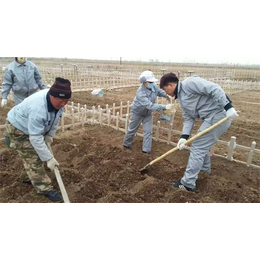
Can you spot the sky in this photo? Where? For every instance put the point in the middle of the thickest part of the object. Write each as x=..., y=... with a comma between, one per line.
x=178, y=31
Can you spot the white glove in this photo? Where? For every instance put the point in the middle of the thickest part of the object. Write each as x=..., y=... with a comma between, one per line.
x=180, y=144
x=48, y=139
x=232, y=113
x=4, y=102
x=169, y=106
x=52, y=163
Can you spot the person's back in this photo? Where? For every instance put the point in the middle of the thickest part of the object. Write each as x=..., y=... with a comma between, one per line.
x=33, y=111
x=201, y=98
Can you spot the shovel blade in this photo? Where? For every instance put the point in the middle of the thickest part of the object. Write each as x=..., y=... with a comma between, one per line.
x=145, y=169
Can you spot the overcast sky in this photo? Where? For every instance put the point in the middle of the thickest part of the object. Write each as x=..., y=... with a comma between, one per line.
x=178, y=31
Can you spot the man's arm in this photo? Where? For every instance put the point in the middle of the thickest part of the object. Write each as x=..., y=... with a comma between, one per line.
x=187, y=125
x=145, y=102
x=36, y=132
x=38, y=78
x=7, y=83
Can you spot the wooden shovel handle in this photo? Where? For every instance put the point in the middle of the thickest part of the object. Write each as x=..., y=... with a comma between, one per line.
x=190, y=140
x=61, y=185
x=59, y=180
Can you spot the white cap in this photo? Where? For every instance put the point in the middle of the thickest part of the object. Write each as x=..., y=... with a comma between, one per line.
x=147, y=75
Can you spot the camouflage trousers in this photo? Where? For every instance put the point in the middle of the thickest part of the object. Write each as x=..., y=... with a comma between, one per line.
x=34, y=167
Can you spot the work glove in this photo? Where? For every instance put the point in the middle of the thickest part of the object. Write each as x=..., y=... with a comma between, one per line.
x=180, y=144
x=4, y=102
x=48, y=139
x=232, y=113
x=52, y=163
x=169, y=109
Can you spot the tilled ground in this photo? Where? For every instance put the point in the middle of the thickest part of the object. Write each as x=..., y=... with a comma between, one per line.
x=95, y=168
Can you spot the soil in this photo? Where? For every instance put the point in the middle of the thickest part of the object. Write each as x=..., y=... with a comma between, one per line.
x=96, y=168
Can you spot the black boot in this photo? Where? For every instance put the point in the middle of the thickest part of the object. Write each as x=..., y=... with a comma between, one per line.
x=25, y=178
x=53, y=195
x=179, y=185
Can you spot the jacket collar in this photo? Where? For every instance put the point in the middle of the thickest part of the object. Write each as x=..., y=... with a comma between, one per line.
x=19, y=65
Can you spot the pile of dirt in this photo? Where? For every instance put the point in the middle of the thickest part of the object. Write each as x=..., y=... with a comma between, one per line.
x=96, y=168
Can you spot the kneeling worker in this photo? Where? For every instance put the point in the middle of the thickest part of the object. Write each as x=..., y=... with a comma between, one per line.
x=32, y=124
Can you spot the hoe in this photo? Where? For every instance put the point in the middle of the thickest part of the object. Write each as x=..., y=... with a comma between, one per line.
x=147, y=167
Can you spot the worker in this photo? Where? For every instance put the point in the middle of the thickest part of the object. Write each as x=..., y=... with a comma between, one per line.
x=30, y=126
x=23, y=77
x=202, y=99
x=141, y=110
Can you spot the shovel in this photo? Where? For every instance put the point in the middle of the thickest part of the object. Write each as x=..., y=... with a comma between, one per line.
x=59, y=180
x=146, y=167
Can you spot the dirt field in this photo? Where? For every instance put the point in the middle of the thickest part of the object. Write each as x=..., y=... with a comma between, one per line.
x=95, y=167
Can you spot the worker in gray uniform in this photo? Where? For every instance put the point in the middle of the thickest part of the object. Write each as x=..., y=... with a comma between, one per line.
x=202, y=99
x=141, y=110
x=23, y=77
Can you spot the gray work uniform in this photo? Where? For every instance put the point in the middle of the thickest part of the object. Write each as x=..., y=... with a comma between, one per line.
x=23, y=79
x=203, y=99
x=141, y=112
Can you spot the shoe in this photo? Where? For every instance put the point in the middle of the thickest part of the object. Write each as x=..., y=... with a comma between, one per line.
x=27, y=182
x=127, y=147
x=25, y=179
x=179, y=185
x=53, y=195
x=146, y=152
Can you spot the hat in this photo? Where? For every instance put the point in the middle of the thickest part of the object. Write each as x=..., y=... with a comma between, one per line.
x=147, y=75
x=61, y=88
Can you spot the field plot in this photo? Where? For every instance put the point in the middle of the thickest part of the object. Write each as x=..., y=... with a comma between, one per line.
x=95, y=167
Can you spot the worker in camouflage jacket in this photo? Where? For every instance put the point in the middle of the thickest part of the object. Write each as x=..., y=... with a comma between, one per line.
x=30, y=129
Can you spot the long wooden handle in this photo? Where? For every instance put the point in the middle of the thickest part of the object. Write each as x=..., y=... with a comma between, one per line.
x=190, y=140
x=61, y=185
x=59, y=180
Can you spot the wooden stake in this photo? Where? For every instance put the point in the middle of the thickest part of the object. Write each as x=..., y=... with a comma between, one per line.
x=231, y=147
x=85, y=111
x=169, y=134
x=117, y=120
x=126, y=122
x=251, y=153
x=82, y=117
x=109, y=117
x=211, y=151
x=73, y=118
x=114, y=110
x=121, y=108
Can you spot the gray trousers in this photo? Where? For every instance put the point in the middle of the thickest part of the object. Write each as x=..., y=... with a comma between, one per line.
x=134, y=124
x=199, y=159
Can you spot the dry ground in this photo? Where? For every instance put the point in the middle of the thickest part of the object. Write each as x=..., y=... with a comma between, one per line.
x=95, y=167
